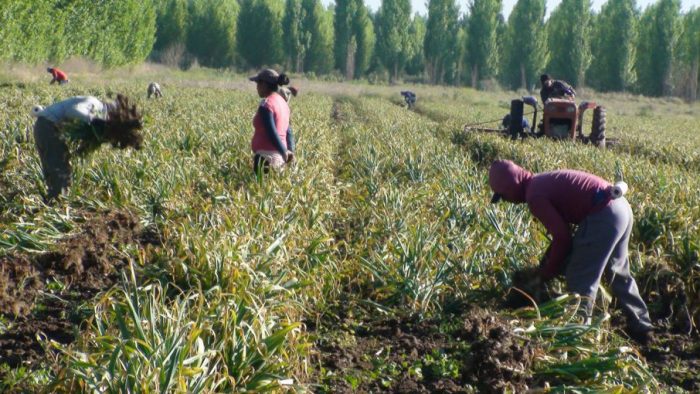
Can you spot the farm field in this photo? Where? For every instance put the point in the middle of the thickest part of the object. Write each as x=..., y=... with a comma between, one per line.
x=374, y=264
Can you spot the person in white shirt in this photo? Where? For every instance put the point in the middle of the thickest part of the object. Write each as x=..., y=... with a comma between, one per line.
x=87, y=121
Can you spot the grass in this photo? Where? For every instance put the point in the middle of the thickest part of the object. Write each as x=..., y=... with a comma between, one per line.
x=384, y=206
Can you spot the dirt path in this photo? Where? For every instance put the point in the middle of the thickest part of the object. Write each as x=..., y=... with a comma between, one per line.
x=41, y=295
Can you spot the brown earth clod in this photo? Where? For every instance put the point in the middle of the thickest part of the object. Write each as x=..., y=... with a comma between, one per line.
x=80, y=266
x=485, y=353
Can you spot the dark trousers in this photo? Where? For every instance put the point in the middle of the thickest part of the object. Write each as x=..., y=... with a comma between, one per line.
x=55, y=157
x=260, y=164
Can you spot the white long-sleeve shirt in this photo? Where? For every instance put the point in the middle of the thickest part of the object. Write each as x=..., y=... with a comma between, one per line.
x=84, y=108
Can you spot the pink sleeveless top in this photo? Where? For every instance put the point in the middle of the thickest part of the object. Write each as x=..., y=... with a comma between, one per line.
x=280, y=113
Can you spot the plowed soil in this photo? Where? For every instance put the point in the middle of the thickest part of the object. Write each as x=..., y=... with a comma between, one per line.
x=472, y=352
x=39, y=295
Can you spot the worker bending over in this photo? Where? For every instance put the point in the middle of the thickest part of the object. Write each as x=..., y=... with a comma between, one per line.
x=598, y=246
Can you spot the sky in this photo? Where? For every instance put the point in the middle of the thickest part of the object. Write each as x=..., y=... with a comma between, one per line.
x=420, y=5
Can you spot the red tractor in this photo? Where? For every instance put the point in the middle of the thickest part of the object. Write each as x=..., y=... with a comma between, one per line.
x=562, y=119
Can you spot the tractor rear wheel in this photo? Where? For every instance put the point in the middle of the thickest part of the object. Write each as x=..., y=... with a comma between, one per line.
x=597, y=136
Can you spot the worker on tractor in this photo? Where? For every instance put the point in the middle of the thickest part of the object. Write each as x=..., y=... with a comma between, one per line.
x=554, y=88
x=87, y=122
x=505, y=123
x=603, y=220
x=271, y=123
x=58, y=76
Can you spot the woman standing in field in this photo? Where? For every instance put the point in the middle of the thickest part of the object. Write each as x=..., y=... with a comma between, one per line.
x=271, y=123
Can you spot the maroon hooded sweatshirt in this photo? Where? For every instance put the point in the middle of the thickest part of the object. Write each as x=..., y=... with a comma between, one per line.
x=556, y=198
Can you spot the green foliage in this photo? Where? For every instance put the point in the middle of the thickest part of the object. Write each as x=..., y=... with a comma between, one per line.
x=526, y=45
x=482, y=39
x=392, y=21
x=658, y=36
x=440, y=38
x=613, y=46
x=354, y=38
x=27, y=33
x=212, y=32
x=296, y=40
x=415, y=58
x=568, y=30
x=318, y=24
x=172, y=22
x=112, y=33
x=259, y=33
x=689, y=49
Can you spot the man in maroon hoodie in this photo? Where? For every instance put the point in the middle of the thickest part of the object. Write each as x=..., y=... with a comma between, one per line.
x=599, y=244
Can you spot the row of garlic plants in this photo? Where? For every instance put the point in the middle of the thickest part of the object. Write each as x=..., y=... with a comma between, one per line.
x=218, y=307
x=424, y=236
x=382, y=203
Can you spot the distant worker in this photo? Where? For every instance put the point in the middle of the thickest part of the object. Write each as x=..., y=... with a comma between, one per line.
x=287, y=93
x=271, y=123
x=410, y=98
x=58, y=76
x=84, y=120
x=599, y=244
x=554, y=88
x=154, y=90
x=506, y=123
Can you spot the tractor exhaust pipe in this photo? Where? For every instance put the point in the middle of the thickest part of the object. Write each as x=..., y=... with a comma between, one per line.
x=515, y=128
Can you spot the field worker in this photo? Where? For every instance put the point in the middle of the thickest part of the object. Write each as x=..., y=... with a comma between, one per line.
x=271, y=122
x=154, y=90
x=58, y=76
x=554, y=88
x=87, y=121
x=599, y=243
x=410, y=98
x=287, y=94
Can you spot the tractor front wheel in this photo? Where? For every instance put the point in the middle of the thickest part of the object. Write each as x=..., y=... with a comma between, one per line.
x=597, y=136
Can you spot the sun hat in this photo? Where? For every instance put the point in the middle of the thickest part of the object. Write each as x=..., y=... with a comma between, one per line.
x=268, y=75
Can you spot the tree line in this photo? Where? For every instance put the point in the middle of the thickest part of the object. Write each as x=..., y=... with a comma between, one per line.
x=655, y=51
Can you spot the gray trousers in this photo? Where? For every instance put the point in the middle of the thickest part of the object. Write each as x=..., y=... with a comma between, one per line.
x=600, y=246
x=55, y=157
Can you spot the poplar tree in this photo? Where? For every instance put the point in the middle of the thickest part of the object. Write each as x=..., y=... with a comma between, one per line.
x=440, y=39
x=526, y=44
x=393, y=21
x=212, y=33
x=482, y=39
x=354, y=37
x=614, y=46
x=568, y=30
x=259, y=33
x=659, y=32
x=415, y=63
x=690, y=48
x=318, y=24
x=172, y=20
x=296, y=40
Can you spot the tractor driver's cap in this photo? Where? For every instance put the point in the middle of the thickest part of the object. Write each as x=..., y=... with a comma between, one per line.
x=268, y=75
x=544, y=78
